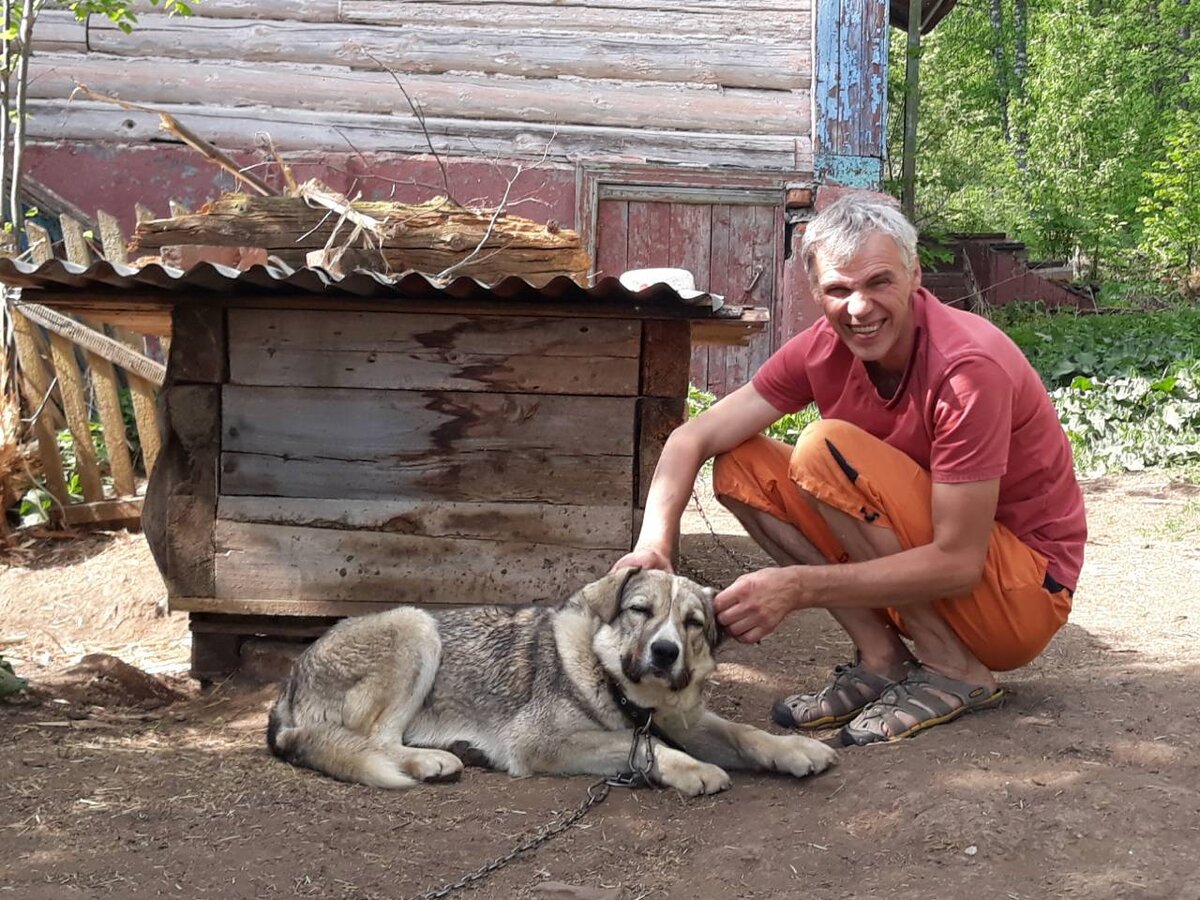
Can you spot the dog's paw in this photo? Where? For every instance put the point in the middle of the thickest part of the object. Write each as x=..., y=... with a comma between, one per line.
x=432, y=765
x=800, y=756
x=690, y=776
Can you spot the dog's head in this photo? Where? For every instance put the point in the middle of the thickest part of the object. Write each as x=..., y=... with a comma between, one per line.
x=656, y=636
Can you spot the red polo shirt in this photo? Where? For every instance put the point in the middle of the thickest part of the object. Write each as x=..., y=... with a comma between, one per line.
x=970, y=407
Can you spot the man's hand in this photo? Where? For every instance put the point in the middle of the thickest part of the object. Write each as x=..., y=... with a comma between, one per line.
x=754, y=605
x=647, y=558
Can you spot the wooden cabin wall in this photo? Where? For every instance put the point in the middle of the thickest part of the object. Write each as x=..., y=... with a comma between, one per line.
x=660, y=81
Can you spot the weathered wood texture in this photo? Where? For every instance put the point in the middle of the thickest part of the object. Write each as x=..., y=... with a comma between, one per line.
x=732, y=250
x=850, y=91
x=434, y=352
x=361, y=444
x=707, y=84
x=431, y=237
x=322, y=564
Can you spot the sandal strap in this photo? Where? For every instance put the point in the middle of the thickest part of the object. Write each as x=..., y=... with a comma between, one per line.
x=919, y=698
x=851, y=688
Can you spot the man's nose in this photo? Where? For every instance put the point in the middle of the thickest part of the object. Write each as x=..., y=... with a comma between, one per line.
x=858, y=304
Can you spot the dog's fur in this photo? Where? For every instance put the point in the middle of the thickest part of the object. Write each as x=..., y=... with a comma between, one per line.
x=379, y=699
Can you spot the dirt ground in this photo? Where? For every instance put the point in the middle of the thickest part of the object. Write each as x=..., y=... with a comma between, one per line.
x=1086, y=785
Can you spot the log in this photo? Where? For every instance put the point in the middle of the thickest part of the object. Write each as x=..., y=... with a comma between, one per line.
x=299, y=130
x=429, y=237
x=615, y=103
x=636, y=55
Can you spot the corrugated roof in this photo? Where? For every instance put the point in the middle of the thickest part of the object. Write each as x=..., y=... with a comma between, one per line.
x=278, y=278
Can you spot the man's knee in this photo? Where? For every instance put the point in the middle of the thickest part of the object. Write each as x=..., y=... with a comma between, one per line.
x=820, y=437
x=734, y=466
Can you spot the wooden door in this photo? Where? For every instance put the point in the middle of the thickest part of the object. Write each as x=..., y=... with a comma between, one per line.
x=733, y=249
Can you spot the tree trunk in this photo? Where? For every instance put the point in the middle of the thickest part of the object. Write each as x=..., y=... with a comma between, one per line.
x=5, y=107
x=24, y=48
x=912, y=97
x=1020, y=67
x=999, y=65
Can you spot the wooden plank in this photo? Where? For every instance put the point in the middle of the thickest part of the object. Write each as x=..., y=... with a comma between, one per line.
x=401, y=134
x=36, y=373
x=732, y=62
x=203, y=355
x=146, y=416
x=112, y=241
x=432, y=352
x=666, y=352
x=389, y=11
x=649, y=234
x=582, y=527
x=690, y=239
x=657, y=418
x=768, y=232
x=108, y=403
x=309, y=442
x=96, y=342
x=75, y=244
x=70, y=386
x=612, y=238
x=257, y=560
x=35, y=389
x=273, y=607
x=503, y=476
x=41, y=247
x=105, y=512
x=213, y=623
x=579, y=101
x=181, y=499
x=720, y=282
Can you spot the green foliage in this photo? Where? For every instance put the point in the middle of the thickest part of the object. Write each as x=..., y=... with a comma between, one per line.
x=1095, y=131
x=1126, y=387
x=120, y=12
x=786, y=428
x=9, y=682
x=1171, y=229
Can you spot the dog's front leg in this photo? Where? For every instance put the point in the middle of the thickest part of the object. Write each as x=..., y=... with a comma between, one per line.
x=607, y=753
x=735, y=746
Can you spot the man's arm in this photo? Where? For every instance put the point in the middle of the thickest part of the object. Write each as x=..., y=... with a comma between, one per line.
x=949, y=566
x=736, y=418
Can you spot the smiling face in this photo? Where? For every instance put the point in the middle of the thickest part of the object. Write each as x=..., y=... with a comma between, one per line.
x=867, y=298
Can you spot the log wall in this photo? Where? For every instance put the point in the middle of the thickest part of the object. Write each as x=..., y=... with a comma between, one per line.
x=670, y=81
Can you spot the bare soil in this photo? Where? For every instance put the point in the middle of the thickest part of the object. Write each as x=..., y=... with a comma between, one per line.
x=1086, y=785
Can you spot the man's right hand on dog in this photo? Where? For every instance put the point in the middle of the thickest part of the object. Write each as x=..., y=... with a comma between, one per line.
x=646, y=558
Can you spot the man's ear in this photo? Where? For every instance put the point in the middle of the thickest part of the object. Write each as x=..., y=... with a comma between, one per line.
x=602, y=598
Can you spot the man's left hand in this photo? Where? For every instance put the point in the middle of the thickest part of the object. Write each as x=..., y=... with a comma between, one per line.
x=754, y=605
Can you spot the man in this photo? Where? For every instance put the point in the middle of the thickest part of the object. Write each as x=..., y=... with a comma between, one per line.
x=936, y=499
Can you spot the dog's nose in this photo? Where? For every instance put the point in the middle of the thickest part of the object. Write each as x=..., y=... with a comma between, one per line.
x=664, y=653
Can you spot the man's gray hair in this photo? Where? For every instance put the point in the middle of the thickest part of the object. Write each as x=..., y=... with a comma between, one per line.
x=840, y=230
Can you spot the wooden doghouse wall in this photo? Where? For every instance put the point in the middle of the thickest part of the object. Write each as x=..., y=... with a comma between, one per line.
x=363, y=459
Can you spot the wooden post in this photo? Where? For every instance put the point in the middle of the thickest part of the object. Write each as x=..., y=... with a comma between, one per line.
x=74, y=241
x=41, y=248
x=912, y=97
x=112, y=241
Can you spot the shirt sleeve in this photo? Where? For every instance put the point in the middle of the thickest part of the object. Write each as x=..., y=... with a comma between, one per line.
x=783, y=379
x=972, y=423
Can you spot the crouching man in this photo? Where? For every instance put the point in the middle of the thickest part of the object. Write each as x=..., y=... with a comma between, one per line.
x=935, y=500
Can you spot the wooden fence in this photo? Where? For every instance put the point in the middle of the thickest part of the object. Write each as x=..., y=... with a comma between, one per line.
x=71, y=375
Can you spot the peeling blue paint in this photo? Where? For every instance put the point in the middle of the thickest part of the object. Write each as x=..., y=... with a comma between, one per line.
x=850, y=91
x=849, y=171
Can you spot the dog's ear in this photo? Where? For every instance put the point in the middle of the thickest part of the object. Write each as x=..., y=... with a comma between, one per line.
x=714, y=631
x=602, y=598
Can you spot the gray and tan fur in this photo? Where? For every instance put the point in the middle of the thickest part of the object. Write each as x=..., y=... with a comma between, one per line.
x=380, y=699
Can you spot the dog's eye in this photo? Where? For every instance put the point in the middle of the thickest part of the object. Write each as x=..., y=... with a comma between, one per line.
x=638, y=611
x=693, y=623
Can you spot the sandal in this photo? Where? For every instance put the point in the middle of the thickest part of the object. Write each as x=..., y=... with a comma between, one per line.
x=917, y=703
x=851, y=689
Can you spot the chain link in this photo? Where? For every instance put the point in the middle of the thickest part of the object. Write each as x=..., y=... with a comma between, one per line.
x=739, y=562
x=597, y=793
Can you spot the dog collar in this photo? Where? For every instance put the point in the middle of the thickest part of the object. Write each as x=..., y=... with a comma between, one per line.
x=641, y=717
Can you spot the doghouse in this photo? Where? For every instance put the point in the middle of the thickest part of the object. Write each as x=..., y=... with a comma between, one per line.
x=334, y=449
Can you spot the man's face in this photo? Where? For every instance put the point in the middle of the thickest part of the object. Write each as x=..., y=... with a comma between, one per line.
x=868, y=301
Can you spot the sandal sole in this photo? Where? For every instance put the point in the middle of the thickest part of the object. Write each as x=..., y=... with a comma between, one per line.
x=782, y=716
x=868, y=738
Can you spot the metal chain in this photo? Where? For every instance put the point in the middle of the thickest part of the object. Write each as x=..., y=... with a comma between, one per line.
x=739, y=562
x=597, y=793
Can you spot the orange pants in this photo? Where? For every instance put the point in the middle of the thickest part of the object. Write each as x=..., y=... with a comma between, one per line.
x=1006, y=621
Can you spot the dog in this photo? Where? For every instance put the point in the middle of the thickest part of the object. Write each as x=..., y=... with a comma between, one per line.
x=382, y=699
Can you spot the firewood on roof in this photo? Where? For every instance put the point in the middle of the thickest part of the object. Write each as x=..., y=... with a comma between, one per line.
x=431, y=237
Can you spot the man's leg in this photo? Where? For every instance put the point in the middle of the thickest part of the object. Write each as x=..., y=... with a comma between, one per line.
x=879, y=646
